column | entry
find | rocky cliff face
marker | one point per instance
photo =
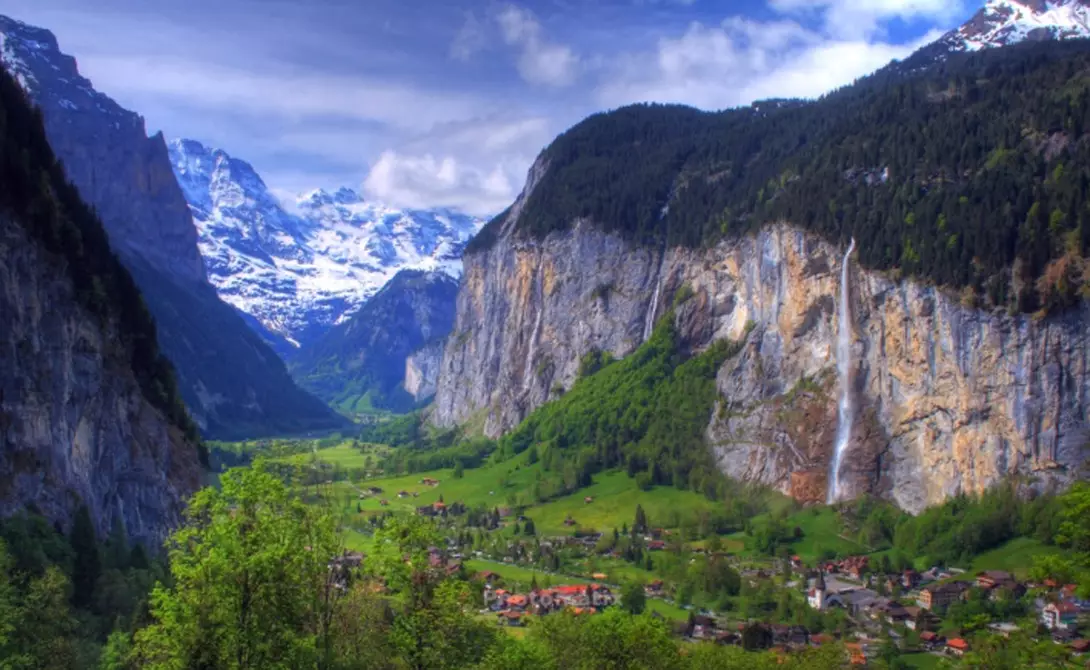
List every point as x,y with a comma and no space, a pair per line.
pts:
950,398
422,371
74,425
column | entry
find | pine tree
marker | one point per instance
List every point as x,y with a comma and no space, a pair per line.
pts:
87,565
640,524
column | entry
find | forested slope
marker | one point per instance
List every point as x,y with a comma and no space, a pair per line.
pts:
969,172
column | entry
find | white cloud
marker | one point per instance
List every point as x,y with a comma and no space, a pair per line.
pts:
860,18
739,61
432,181
471,39
476,166
540,61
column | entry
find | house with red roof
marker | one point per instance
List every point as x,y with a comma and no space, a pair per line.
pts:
957,647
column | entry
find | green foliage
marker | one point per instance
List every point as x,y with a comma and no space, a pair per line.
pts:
633,598
250,587
963,526
958,142
88,563
37,194
646,413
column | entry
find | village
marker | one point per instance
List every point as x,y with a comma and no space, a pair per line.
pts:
916,612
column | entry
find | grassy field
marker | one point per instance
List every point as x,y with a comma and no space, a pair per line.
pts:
343,455
615,497
1015,556
925,661
820,530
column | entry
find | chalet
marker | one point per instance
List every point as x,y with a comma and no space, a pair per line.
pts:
702,626
588,500
855,653
600,576
402,494
910,579
384,502
1080,646
939,596
932,641
990,579
428,481
504,512
496,599
797,636
517,602
656,545
796,563
957,647
728,638
374,490
569,521
821,639
487,576
1060,616
891,611
426,510
510,618
654,588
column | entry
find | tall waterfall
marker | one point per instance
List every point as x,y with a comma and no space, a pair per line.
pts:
846,410
649,325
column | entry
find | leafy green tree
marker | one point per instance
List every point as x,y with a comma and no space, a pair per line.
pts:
250,581
88,561
116,653
459,470
640,524
633,598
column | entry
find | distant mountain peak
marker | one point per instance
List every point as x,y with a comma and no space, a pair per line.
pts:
298,273
1005,22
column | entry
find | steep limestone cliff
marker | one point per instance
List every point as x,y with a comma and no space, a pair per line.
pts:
422,371
74,425
951,398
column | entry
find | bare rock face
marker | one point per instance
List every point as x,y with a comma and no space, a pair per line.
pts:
74,425
422,371
949,398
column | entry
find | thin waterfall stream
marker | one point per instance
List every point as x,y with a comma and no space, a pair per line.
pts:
846,407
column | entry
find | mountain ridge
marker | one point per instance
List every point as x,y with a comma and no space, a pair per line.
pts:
303,269
127,178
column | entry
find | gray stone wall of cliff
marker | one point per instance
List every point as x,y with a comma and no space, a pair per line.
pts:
74,424
950,398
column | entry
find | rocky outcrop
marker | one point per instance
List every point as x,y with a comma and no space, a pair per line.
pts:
950,398
422,371
74,425
233,384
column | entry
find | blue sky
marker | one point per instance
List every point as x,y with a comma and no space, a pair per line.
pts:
428,103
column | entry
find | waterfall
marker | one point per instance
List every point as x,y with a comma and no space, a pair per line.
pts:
649,324
846,410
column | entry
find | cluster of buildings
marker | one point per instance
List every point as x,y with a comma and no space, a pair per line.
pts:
511,608
935,590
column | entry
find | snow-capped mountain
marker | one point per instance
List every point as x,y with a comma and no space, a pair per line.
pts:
300,270
1004,22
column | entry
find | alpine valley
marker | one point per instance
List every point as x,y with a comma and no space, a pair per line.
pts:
802,384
